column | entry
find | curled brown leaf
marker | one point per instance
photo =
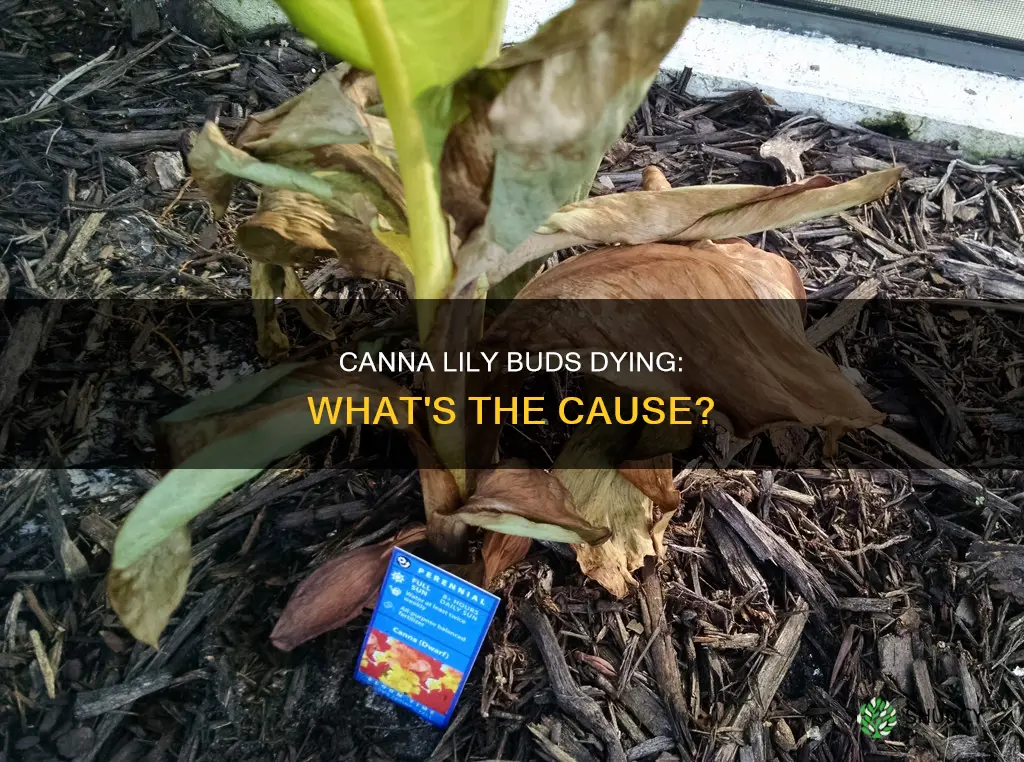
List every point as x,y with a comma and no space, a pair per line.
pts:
528,503
605,497
337,592
714,211
654,179
711,212
501,552
731,315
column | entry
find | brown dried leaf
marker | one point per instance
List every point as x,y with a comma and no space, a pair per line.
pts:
467,167
713,212
786,151
292,228
323,114
596,663
746,350
266,282
654,478
528,503
696,213
441,497
337,592
605,498
147,592
501,552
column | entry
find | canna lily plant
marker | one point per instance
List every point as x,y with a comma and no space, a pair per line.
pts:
435,159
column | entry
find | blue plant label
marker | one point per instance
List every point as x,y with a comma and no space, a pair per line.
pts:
425,634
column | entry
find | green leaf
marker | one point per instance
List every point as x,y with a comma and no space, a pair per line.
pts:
220,445
575,85
221,442
216,164
437,40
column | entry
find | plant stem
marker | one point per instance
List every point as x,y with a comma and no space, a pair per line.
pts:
432,262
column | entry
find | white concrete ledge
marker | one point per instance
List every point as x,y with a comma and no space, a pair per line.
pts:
844,84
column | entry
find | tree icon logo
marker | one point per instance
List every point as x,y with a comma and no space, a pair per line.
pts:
877,718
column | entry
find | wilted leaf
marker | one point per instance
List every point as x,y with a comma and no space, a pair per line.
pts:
572,89
467,162
266,282
730,314
295,295
324,114
713,211
697,213
337,592
299,229
441,497
417,50
654,478
146,592
501,552
221,441
654,179
604,497
324,197
271,282
216,165
598,664
577,82
786,152
321,198
527,503
277,400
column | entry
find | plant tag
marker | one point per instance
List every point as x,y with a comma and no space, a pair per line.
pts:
424,636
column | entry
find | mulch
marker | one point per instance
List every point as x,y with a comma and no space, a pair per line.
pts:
790,594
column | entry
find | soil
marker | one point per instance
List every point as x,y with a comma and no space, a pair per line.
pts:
903,557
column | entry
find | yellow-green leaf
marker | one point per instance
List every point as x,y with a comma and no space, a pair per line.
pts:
438,40
147,591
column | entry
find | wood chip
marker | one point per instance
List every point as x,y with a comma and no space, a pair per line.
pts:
896,657
765,682
844,314
768,546
571,699
45,667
